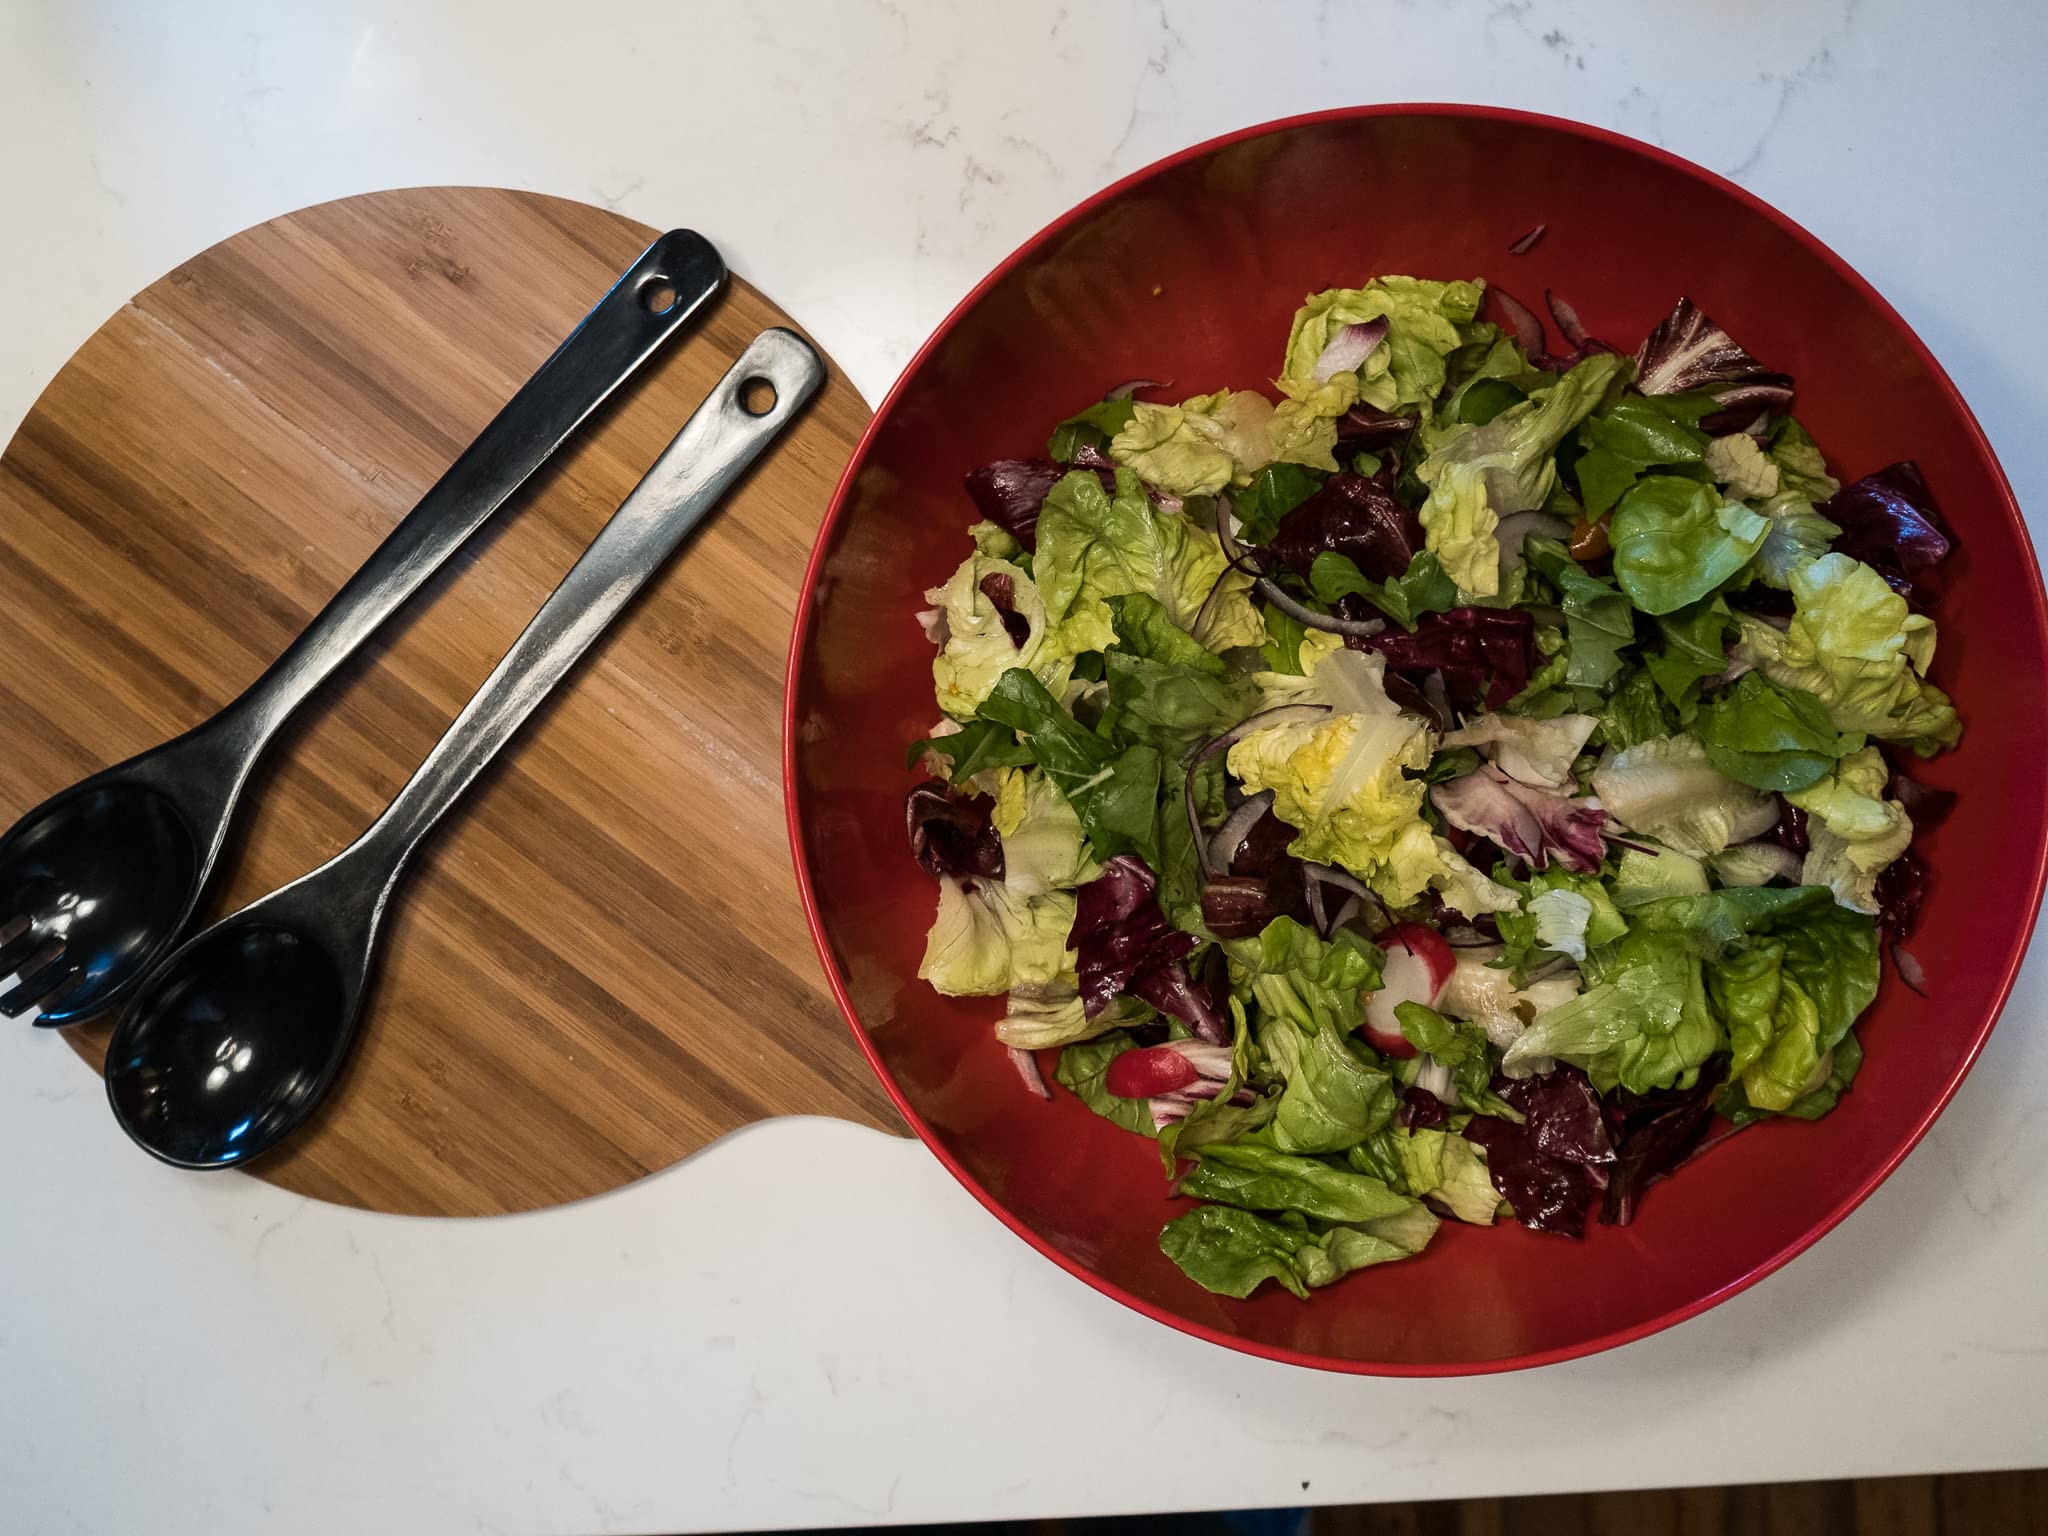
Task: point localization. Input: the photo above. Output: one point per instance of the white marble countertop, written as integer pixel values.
(810, 1324)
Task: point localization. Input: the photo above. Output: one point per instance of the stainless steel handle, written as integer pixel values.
(611, 342)
(713, 449)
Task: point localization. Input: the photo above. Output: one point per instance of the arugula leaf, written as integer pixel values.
(1282, 650)
(1092, 428)
(1274, 492)
(1770, 737)
(1116, 794)
(1422, 588)
(1599, 621)
(1695, 648)
(1173, 707)
(974, 748)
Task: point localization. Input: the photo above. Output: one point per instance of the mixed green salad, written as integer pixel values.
(1452, 788)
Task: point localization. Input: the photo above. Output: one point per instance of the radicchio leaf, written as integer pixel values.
(1126, 946)
(1523, 321)
(1001, 591)
(1420, 1109)
(1923, 803)
(1526, 821)
(1889, 521)
(1790, 831)
(1482, 652)
(1009, 492)
(1561, 1114)
(1654, 1133)
(951, 834)
(1687, 350)
(1355, 517)
(1366, 429)
(1901, 888)
(1260, 881)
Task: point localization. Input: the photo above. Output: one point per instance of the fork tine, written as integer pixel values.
(17, 941)
(37, 976)
(61, 998)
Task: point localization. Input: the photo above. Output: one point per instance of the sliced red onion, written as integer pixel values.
(1909, 969)
(1528, 242)
(1234, 552)
(1303, 614)
(1621, 842)
(1349, 348)
(1351, 908)
(1433, 1077)
(933, 622)
(1517, 526)
(1316, 914)
(1343, 879)
(1523, 322)
(1224, 844)
(1027, 1069)
(1567, 319)
(1130, 387)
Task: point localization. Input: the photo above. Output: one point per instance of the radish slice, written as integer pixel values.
(1148, 1073)
(1419, 963)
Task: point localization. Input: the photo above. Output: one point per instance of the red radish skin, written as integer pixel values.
(1419, 963)
(1148, 1073)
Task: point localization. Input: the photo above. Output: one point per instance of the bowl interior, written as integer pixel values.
(1189, 273)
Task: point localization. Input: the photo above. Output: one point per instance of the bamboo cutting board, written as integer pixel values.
(600, 964)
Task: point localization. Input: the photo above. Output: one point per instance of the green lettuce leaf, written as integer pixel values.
(1853, 832)
(1038, 1017)
(1144, 628)
(978, 648)
(989, 939)
(1256, 1178)
(979, 746)
(1274, 492)
(1666, 789)
(1855, 645)
(1675, 541)
(1044, 848)
(1202, 445)
(1115, 793)
(1423, 329)
(1280, 648)
(1092, 546)
(1802, 469)
(1508, 465)
(1739, 467)
(1173, 707)
(1451, 1170)
(1769, 737)
(1233, 1252)
(1644, 1024)
(1561, 913)
(1798, 537)
(1334, 1098)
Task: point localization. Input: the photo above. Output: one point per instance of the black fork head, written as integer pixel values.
(95, 885)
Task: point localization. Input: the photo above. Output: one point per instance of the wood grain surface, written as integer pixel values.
(600, 964)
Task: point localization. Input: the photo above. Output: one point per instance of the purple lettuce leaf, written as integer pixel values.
(1355, 517)
(1889, 521)
(1529, 823)
(1561, 1114)
(1483, 653)
(1125, 945)
(1367, 429)
(1653, 1134)
(1926, 805)
(1421, 1109)
(1009, 492)
(1548, 1193)
(951, 834)
(1901, 888)
(1687, 350)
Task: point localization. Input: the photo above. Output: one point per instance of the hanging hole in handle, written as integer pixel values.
(658, 296)
(757, 396)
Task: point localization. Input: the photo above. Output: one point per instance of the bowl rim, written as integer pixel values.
(800, 636)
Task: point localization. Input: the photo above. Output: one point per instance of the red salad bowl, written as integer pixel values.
(1188, 272)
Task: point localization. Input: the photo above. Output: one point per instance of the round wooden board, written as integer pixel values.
(600, 964)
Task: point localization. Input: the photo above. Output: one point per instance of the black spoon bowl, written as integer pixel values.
(97, 882)
(230, 1044)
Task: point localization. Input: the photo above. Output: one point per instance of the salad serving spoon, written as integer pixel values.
(98, 881)
(231, 1043)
